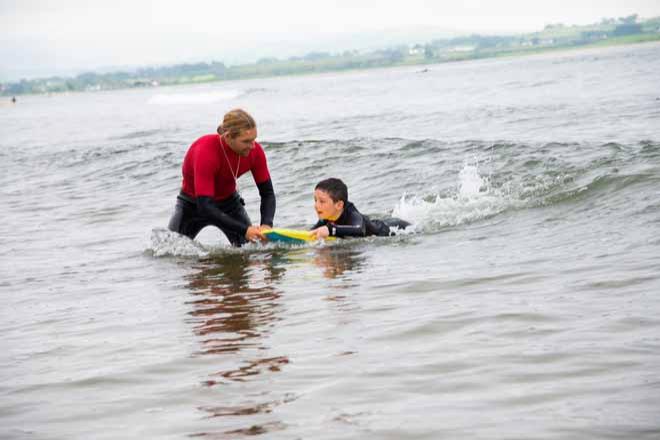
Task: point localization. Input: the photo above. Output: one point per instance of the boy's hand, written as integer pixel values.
(254, 233)
(321, 233)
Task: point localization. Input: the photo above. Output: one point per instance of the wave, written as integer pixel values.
(437, 185)
(527, 178)
(194, 98)
(165, 243)
(137, 134)
(473, 199)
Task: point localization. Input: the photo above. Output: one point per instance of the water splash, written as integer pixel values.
(473, 199)
(470, 183)
(165, 243)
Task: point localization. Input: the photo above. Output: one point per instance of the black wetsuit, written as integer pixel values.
(351, 223)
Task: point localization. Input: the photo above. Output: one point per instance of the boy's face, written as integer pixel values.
(326, 208)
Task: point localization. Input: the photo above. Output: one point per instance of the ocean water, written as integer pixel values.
(524, 303)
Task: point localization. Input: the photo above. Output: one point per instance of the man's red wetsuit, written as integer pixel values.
(208, 193)
(210, 166)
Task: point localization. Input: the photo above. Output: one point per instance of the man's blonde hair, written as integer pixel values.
(235, 121)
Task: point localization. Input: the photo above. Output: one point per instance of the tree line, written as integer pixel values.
(556, 35)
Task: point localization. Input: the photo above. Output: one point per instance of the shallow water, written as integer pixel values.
(524, 303)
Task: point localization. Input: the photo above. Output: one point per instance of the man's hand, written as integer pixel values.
(254, 233)
(321, 233)
(264, 228)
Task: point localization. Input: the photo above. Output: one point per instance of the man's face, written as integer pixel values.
(243, 143)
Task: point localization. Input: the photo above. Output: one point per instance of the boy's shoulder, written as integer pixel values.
(349, 215)
(350, 208)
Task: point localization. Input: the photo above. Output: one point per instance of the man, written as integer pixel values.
(211, 169)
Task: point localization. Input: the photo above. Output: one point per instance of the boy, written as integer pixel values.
(340, 218)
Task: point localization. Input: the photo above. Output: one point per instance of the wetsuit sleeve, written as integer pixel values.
(319, 224)
(267, 208)
(356, 227)
(207, 208)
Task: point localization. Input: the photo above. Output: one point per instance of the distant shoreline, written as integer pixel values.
(554, 39)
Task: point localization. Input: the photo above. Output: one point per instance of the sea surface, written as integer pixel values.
(523, 304)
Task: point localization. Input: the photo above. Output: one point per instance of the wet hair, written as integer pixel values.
(235, 121)
(335, 188)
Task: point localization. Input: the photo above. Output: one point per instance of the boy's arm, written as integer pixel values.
(321, 229)
(319, 224)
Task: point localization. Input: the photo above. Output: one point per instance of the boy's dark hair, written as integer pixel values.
(335, 188)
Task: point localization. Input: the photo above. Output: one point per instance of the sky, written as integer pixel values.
(64, 37)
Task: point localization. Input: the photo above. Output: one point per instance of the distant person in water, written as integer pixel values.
(211, 169)
(340, 218)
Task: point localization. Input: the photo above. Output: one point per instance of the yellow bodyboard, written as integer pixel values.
(296, 236)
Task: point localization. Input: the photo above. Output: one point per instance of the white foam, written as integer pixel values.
(166, 243)
(470, 182)
(473, 200)
(194, 98)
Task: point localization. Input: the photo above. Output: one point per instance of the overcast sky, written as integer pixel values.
(41, 38)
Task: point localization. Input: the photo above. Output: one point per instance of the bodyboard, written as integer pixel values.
(294, 236)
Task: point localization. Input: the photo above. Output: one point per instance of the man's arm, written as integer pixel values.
(268, 204)
(206, 207)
